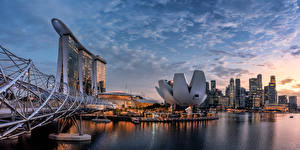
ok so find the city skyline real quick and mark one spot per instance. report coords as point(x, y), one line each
point(150, 74)
point(246, 83)
point(257, 97)
point(147, 41)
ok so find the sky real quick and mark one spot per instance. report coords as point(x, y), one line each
point(145, 41)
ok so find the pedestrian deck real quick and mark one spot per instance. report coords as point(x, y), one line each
point(139, 119)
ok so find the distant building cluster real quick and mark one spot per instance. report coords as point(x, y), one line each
point(257, 97)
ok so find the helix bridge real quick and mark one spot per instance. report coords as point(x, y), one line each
point(30, 98)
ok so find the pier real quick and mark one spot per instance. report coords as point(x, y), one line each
point(155, 117)
point(136, 119)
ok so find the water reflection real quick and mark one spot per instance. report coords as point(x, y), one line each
point(231, 131)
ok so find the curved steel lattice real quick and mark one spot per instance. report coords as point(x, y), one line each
point(30, 98)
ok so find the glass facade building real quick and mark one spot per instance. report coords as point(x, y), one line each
point(72, 69)
point(87, 68)
point(81, 70)
point(101, 76)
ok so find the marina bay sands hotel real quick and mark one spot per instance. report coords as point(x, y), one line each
point(77, 66)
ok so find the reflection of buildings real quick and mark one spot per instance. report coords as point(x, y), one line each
point(78, 67)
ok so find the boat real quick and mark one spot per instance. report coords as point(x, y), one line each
point(101, 120)
point(135, 120)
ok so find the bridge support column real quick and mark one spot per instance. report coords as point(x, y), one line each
point(70, 136)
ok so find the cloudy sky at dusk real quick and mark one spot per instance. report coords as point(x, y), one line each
point(144, 41)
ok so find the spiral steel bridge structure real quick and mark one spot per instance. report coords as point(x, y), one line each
point(30, 98)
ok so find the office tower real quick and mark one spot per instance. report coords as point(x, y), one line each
point(237, 93)
point(266, 95)
point(243, 98)
point(248, 101)
point(293, 102)
point(273, 79)
point(260, 91)
point(231, 93)
point(272, 91)
point(227, 91)
point(224, 101)
point(207, 87)
point(255, 96)
point(259, 81)
point(213, 85)
point(208, 96)
point(252, 85)
point(282, 99)
point(218, 94)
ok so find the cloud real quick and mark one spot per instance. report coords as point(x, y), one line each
point(163, 1)
point(288, 92)
point(260, 65)
point(294, 50)
point(286, 81)
point(239, 54)
point(296, 86)
point(228, 72)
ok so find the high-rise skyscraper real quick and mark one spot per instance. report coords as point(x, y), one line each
point(260, 91)
point(231, 93)
point(213, 85)
point(252, 85)
point(227, 91)
point(242, 98)
point(237, 93)
point(293, 102)
point(282, 99)
point(259, 81)
point(255, 97)
point(224, 101)
point(272, 91)
point(273, 80)
point(207, 88)
point(266, 95)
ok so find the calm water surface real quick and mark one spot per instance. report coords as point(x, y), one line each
point(252, 131)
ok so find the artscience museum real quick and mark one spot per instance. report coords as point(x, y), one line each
point(178, 91)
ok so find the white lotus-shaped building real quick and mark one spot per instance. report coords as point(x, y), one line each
point(179, 92)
